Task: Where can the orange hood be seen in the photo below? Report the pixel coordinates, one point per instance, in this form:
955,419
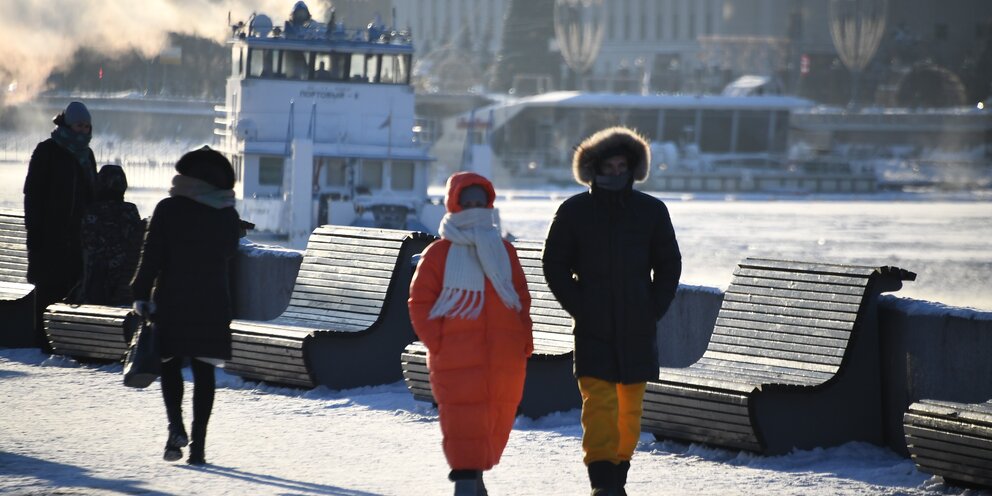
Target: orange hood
461,180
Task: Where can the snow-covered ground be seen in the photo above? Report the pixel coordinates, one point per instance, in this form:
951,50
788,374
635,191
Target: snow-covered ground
72,429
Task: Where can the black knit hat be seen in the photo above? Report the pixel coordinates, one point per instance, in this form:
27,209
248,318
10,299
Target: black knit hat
207,165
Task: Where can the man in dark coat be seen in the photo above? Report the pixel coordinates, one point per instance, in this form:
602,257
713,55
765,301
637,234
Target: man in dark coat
58,188
612,261
192,237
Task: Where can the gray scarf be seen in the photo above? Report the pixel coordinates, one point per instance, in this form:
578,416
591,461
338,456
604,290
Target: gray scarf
201,191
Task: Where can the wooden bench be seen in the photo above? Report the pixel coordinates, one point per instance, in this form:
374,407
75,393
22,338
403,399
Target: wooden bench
793,362
90,332
346,323
952,440
16,294
550,385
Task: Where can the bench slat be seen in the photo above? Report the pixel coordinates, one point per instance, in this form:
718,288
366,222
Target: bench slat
784,319
800,266
791,302
827,280
740,283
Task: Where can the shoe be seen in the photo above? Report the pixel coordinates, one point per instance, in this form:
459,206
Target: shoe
196,456
172,454
174,442
177,436
468,483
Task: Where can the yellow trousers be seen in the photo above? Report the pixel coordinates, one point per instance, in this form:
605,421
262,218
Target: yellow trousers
611,419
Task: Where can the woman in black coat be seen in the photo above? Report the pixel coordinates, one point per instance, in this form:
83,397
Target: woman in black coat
612,261
58,188
192,237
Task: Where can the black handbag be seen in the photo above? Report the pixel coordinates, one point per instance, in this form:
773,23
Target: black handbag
143,363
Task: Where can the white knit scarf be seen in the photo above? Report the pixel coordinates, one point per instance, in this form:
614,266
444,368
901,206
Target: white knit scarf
476,253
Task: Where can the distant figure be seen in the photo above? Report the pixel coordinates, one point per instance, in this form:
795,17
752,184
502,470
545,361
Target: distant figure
322,73
111,233
192,237
58,188
612,261
299,21
470,306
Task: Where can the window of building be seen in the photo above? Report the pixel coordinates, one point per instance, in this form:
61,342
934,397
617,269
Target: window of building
335,173
692,21
642,19
940,32
659,20
270,170
402,175
627,24
371,174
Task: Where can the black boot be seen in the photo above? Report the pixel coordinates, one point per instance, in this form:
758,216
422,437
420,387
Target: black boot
603,478
468,482
175,442
196,455
622,469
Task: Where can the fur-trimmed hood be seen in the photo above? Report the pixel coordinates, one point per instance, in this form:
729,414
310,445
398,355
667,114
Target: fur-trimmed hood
607,143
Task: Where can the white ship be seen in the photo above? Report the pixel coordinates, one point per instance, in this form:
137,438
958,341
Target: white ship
318,123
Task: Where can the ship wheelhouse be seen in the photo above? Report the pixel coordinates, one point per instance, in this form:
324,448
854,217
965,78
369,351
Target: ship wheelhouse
319,127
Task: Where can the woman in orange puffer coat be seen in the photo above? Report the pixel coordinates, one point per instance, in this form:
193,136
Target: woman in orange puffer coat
470,306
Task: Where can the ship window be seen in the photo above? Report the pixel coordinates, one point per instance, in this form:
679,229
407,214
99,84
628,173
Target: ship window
394,69
335,175
357,68
372,68
388,73
264,63
752,131
296,64
329,66
717,126
401,175
270,171
237,61
372,174
256,62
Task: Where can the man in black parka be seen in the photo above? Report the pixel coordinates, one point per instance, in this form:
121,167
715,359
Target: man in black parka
58,188
612,261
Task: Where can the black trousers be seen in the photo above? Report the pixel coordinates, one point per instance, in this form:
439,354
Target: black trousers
204,385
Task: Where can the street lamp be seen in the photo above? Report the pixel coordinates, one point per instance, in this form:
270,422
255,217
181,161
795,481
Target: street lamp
856,27
579,26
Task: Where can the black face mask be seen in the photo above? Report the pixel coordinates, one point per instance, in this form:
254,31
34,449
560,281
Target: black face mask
612,183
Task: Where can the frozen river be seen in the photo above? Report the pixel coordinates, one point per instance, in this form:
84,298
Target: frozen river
946,239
